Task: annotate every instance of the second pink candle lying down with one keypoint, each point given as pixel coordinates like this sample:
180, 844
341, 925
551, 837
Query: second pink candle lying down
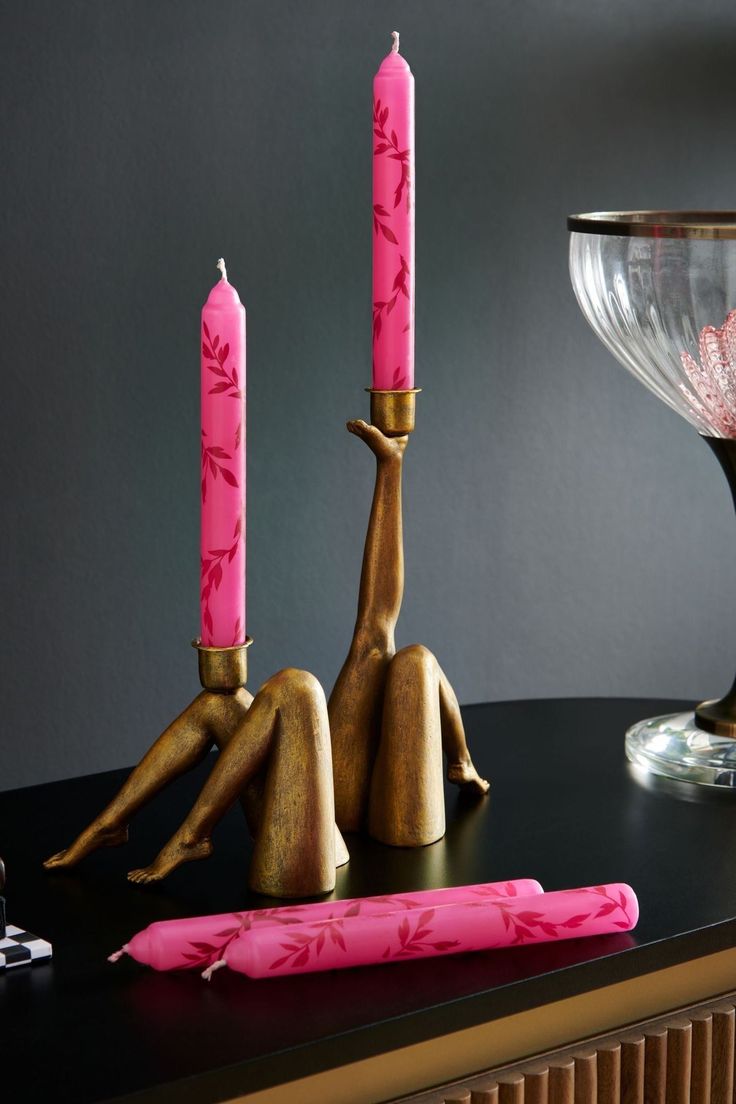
446, 929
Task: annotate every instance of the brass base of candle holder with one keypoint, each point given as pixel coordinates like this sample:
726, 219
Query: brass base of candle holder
393, 412
275, 757
392, 714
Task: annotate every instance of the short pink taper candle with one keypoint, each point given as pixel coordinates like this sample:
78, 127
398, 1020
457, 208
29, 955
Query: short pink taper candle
222, 547
393, 224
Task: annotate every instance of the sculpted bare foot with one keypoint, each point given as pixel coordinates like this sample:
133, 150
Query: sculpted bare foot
97, 835
466, 776
177, 851
385, 448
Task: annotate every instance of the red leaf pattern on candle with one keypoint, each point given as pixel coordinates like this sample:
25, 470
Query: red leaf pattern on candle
379, 212
400, 287
301, 943
211, 575
377, 309
389, 145
229, 382
212, 455
413, 942
205, 954
522, 923
317, 940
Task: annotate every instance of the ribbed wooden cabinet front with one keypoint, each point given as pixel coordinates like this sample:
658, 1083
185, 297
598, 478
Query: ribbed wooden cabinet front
683, 1058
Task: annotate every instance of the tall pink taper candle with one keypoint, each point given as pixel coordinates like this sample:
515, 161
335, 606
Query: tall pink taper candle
446, 929
393, 224
201, 940
222, 541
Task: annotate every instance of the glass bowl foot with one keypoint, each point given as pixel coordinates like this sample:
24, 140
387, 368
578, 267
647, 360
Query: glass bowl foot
675, 747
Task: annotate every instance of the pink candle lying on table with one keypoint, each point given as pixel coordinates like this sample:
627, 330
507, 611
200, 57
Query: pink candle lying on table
222, 534
446, 929
393, 223
201, 940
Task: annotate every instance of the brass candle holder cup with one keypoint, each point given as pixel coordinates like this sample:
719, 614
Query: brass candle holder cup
392, 713
275, 758
222, 670
393, 412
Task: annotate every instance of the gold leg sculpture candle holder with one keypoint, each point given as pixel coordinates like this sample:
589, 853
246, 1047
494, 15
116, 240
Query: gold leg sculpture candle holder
392, 714
275, 758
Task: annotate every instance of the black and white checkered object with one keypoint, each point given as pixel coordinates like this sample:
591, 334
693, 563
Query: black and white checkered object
21, 948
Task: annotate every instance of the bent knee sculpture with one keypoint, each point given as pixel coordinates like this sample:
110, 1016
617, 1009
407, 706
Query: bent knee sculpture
275, 758
392, 714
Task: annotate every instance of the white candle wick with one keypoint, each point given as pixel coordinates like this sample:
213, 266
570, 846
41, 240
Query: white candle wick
207, 974
395, 45
221, 266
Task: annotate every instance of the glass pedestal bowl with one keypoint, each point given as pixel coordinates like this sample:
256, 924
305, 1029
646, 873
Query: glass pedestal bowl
659, 290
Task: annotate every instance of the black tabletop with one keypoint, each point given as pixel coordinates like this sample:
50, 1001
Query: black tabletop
564, 808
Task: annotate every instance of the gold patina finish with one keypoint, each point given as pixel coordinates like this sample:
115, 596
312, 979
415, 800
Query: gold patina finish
275, 757
705, 225
223, 670
393, 412
392, 714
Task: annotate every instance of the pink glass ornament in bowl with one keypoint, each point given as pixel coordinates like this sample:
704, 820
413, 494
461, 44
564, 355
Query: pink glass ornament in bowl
659, 290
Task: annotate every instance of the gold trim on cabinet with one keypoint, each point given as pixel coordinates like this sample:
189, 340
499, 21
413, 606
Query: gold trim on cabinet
409, 1073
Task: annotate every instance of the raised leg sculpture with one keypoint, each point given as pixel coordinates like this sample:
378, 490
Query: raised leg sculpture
392, 715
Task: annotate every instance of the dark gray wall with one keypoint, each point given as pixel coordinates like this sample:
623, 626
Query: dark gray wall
566, 534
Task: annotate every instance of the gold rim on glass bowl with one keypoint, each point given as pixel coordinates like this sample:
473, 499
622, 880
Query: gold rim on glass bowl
708, 225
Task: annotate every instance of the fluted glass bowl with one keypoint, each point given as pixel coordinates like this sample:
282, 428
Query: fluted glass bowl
659, 290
